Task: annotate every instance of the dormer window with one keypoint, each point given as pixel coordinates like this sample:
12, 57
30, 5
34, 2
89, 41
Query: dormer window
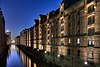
90, 8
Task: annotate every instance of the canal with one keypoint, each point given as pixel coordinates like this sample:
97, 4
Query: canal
17, 58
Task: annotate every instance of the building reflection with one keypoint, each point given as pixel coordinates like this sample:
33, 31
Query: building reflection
27, 62
3, 61
30, 61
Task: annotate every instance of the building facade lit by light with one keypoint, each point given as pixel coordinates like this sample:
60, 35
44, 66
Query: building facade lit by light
69, 35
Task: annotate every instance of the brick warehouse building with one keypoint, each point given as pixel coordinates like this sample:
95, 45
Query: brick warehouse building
2, 31
69, 35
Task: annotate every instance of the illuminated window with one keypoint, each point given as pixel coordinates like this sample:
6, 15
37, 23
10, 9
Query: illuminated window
52, 36
69, 41
91, 43
78, 41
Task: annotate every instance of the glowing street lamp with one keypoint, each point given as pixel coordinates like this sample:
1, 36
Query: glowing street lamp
58, 55
45, 51
85, 62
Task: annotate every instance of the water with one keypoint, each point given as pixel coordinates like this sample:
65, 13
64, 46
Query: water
13, 59
17, 58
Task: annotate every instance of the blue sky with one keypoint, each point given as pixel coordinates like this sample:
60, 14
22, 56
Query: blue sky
20, 14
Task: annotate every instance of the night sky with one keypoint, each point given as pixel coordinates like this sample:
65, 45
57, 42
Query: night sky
20, 14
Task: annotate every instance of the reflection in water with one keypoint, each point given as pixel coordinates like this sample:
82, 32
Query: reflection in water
25, 60
13, 59
18, 58
13, 47
35, 65
29, 61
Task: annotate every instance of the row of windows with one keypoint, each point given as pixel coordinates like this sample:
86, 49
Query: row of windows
90, 54
78, 41
69, 52
90, 42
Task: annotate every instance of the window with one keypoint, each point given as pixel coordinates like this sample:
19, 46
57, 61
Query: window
58, 43
78, 53
48, 37
62, 34
91, 20
48, 32
69, 32
78, 31
62, 21
48, 27
91, 43
51, 30
78, 23
62, 43
78, 41
69, 41
78, 12
52, 36
56, 27
62, 28
51, 23
90, 55
90, 8
68, 52
69, 25
90, 31
68, 16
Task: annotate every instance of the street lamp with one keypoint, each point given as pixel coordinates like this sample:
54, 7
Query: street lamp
58, 55
45, 51
85, 62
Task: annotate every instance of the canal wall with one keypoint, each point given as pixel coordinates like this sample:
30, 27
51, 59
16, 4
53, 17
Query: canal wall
37, 55
54, 60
